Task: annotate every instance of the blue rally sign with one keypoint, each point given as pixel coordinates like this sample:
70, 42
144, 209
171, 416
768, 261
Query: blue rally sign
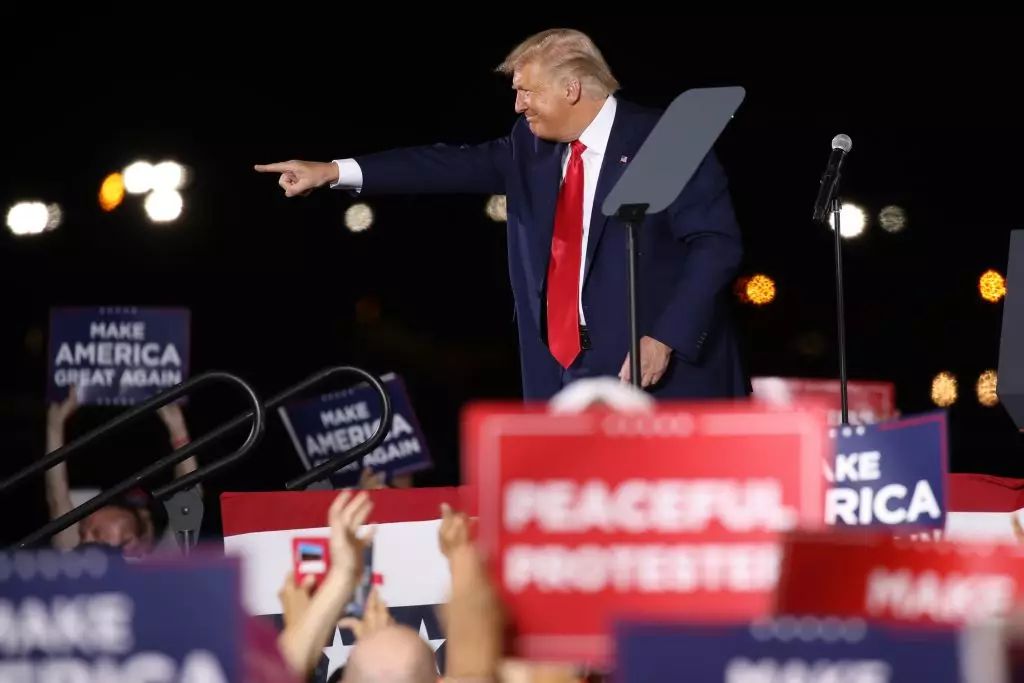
88, 617
801, 651
891, 474
333, 424
117, 355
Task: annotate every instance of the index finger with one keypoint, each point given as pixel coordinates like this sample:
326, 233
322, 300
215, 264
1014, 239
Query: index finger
279, 167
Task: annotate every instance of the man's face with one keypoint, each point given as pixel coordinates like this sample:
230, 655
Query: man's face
115, 527
544, 101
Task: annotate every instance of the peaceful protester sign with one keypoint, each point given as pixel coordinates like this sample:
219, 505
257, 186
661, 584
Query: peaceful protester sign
117, 355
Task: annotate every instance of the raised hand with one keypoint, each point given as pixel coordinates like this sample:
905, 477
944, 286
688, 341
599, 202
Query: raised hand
345, 516
295, 598
59, 413
299, 178
454, 533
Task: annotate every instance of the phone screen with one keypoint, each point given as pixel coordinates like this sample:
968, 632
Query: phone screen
356, 606
311, 557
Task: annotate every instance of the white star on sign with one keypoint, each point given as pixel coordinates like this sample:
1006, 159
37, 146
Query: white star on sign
337, 653
434, 644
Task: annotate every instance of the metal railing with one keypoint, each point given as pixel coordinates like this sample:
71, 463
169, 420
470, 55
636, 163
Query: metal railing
255, 418
258, 423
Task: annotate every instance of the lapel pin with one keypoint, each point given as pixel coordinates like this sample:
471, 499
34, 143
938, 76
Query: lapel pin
623, 159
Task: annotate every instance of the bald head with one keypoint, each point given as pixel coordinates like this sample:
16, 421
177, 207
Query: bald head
395, 654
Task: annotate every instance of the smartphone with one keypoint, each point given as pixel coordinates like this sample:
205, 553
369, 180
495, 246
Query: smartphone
357, 605
310, 557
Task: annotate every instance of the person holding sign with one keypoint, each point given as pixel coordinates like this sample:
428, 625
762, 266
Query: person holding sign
566, 260
128, 524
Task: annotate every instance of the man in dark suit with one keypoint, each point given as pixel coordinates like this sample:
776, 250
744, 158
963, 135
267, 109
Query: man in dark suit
566, 259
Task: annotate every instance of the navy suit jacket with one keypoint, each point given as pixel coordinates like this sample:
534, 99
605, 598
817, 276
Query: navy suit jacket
689, 254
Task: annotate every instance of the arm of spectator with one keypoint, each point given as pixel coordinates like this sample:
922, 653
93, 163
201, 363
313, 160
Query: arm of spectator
521, 671
302, 642
376, 617
368, 481
473, 619
58, 490
177, 430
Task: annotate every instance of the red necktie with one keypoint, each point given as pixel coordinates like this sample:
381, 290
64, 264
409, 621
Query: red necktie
564, 267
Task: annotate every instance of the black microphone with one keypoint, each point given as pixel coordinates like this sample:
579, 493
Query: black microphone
841, 145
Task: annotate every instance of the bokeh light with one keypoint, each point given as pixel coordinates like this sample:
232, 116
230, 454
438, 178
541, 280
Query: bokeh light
852, 221
367, 310
33, 218
497, 208
944, 389
138, 177
759, 290
164, 206
168, 175
112, 192
992, 286
988, 381
358, 217
892, 219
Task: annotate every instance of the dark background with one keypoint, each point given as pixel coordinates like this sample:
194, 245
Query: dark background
280, 288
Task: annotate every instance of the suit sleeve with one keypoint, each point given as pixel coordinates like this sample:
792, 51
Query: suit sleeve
702, 217
438, 169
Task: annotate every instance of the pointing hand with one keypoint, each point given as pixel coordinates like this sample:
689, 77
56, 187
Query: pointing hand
300, 177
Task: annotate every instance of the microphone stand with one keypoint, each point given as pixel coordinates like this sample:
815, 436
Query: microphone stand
844, 403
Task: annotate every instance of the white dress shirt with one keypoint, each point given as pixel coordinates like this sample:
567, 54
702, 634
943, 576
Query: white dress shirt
595, 138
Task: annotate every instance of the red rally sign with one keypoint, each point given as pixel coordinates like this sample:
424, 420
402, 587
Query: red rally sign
878, 577
674, 513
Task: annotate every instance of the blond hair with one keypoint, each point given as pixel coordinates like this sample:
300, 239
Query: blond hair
569, 53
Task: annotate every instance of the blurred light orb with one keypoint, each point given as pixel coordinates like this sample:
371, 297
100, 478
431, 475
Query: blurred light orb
944, 389
35, 342
164, 206
358, 217
892, 218
852, 221
367, 310
112, 192
759, 290
168, 175
28, 218
497, 208
988, 381
992, 286
54, 216
138, 177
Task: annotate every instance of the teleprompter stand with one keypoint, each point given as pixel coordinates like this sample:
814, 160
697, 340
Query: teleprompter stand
658, 173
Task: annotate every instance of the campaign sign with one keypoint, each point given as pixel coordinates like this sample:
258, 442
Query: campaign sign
891, 474
806, 650
117, 356
674, 511
326, 427
868, 402
86, 616
876, 576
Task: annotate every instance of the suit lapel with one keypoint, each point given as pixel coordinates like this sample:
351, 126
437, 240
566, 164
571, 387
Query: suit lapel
548, 181
620, 150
